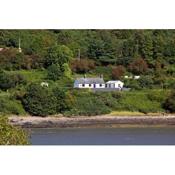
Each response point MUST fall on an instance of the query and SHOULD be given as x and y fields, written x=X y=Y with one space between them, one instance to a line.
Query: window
x=83 y=85
x=100 y=85
x=90 y=85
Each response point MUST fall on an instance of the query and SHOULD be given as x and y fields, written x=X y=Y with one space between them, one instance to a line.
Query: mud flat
x=97 y=121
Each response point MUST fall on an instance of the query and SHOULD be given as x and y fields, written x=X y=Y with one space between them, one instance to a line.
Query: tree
x=39 y=100
x=118 y=72
x=10 y=81
x=158 y=44
x=61 y=99
x=54 y=72
x=67 y=71
x=146 y=82
x=58 y=55
x=138 y=66
x=82 y=65
x=10 y=135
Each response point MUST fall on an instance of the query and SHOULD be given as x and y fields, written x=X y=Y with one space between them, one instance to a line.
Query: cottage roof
x=114 y=81
x=89 y=81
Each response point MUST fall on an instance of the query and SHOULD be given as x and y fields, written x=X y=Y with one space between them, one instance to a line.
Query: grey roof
x=89 y=81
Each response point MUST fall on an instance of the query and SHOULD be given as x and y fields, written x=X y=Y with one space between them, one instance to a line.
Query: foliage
x=48 y=55
x=118 y=72
x=82 y=65
x=63 y=100
x=169 y=103
x=58 y=54
x=10 y=135
x=67 y=71
x=39 y=100
x=87 y=103
x=138 y=66
x=146 y=81
x=10 y=81
x=133 y=101
x=8 y=105
x=43 y=101
x=54 y=72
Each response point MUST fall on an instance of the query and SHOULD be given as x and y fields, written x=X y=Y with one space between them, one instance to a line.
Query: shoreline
x=92 y=121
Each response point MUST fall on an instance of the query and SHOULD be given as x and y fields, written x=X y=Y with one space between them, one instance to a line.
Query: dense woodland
x=59 y=56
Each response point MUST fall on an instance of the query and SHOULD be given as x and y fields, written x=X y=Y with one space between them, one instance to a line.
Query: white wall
x=92 y=86
x=118 y=85
x=115 y=85
x=98 y=86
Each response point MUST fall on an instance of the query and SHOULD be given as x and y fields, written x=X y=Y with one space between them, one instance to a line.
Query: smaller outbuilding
x=114 y=84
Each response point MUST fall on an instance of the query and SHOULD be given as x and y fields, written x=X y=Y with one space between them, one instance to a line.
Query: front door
x=94 y=85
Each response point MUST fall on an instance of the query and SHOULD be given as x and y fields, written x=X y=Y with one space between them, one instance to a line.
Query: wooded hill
x=59 y=56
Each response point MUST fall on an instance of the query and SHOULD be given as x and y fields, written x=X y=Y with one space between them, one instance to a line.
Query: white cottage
x=114 y=84
x=89 y=83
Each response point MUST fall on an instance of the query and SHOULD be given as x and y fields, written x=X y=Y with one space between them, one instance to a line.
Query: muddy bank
x=100 y=121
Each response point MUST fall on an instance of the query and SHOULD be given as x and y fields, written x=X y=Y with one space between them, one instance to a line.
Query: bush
x=118 y=72
x=88 y=104
x=11 y=106
x=138 y=66
x=133 y=84
x=63 y=99
x=157 y=95
x=169 y=103
x=54 y=72
x=39 y=101
x=10 y=135
x=42 y=101
x=10 y=81
x=145 y=82
x=82 y=65
x=138 y=101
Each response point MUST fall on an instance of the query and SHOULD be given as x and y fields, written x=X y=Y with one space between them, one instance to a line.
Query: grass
x=126 y=113
x=31 y=75
x=130 y=113
x=4 y=94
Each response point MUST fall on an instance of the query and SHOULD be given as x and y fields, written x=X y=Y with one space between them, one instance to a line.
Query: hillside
x=59 y=56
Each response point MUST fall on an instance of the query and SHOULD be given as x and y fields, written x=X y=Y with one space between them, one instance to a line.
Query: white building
x=115 y=84
x=89 y=83
x=98 y=84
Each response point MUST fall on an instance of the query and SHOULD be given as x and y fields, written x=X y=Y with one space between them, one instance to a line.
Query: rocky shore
x=97 y=121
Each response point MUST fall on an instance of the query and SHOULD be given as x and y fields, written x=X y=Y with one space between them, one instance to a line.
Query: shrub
x=62 y=99
x=54 y=72
x=67 y=71
x=89 y=104
x=136 y=101
x=169 y=103
x=10 y=81
x=145 y=82
x=138 y=66
x=39 y=101
x=118 y=72
x=11 y=106
x=157 y=95
x=82 y=65
x=133 y=84
x=10 y=135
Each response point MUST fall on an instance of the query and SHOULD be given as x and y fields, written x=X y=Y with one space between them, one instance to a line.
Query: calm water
x=104 y=136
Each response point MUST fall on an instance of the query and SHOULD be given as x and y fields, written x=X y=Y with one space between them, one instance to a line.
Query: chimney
x=101 y=75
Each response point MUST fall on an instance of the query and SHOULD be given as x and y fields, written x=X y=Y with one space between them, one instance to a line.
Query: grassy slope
x=136 y=102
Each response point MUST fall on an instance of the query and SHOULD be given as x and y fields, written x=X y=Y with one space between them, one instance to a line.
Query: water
x=104 y=136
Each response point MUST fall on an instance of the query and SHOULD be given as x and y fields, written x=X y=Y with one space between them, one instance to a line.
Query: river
x=104 y=136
